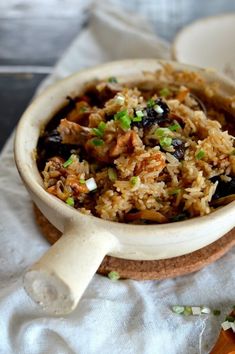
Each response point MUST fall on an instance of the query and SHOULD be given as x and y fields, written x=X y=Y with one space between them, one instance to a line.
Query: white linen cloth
x=127 y=317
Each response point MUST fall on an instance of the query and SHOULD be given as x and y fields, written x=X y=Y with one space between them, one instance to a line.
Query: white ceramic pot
x=206 y=43
x=59 y=278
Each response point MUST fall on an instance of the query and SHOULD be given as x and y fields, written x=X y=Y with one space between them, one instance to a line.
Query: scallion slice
x=230 y=318
x=125 y=122
x=174 y=127
x=151 y=103
x=97 y=142
x=112 y=79
x=196 y=310
x=139 y=116
x=91 y=184
x=134 y=180
x=160 y=132
x=68 y=162
x=165 y=141
x=112 y=174
x=178 y=309
x=113 y=275
x=158 y=109
x=216 y=312
x=165 y=92
x=120 y=99
x=200 y=154
x=226 y=325
x=100 y=130
x=83 y=109
x=205 y=310
x=70 y=201
x=124 y=119
x=187 y=311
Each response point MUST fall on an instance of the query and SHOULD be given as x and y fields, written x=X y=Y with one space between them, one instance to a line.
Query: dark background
x=34 y=34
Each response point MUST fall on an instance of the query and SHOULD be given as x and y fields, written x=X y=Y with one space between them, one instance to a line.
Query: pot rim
x=27 y=165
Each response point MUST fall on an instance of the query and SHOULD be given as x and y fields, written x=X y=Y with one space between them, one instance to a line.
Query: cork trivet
x=146 y=270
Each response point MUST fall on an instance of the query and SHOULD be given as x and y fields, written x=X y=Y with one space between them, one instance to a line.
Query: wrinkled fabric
x=122 y=317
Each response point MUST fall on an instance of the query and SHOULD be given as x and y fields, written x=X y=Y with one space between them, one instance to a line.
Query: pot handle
x=58 y=280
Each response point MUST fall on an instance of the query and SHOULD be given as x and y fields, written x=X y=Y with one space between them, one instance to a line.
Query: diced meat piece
x=149 y=165
x=126 y=143
x=73 y=133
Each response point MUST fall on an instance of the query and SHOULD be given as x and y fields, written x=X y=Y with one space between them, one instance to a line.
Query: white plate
x=208 y=42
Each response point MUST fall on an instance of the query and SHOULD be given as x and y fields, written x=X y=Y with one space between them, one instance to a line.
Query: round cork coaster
x=146 y=270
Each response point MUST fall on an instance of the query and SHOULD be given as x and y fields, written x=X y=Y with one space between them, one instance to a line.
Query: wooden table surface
x=34 y=34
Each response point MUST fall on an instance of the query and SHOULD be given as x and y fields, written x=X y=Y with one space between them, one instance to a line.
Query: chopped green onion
x=160 y=132
x=175 y=127
x=91 y=184
x=120 y=114
x=83 y=109
x=165 y=142
x=151 y=103
x=196 y=310
x=124 y=119
x=139 y=116
x=230 y=318
x=200 y=154
x=112 y=174
x=134 y=180
x=68 y=162
x=120 y=99
x=97 y=132
x=165 y=92
x=178 y=309
x=205 y=310
x=82 y=181
x=100 y=130
x=187 y=311
x=226 y=325
x=125 y=122
x=70 y=201
x=113 y=275
x=102 y=126
x=191 y=310
x=112 y=79
x=216 y=312
x=97 y=142
x=175 y=191
x=158 y=109
x=137 y=119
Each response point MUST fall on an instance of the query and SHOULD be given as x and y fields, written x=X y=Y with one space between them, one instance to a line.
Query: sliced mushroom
x=150 y=215
x=223 y=200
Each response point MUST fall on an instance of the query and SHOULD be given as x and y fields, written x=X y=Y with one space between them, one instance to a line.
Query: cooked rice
x=176 y=187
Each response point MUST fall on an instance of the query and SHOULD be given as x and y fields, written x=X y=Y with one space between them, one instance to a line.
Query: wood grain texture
x=149 y=270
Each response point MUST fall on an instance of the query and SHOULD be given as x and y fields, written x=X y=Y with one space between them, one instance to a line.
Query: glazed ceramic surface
x=208 y=42
x=58 y=280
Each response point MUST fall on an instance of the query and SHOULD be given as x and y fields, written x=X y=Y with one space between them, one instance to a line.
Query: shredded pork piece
x=73 y=133
x=126 y=143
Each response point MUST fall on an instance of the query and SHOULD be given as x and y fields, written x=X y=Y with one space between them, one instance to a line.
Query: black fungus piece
x=223 y=188
x=179 y=217
x=50 y=145
x=179 y=147
x=157 y=112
